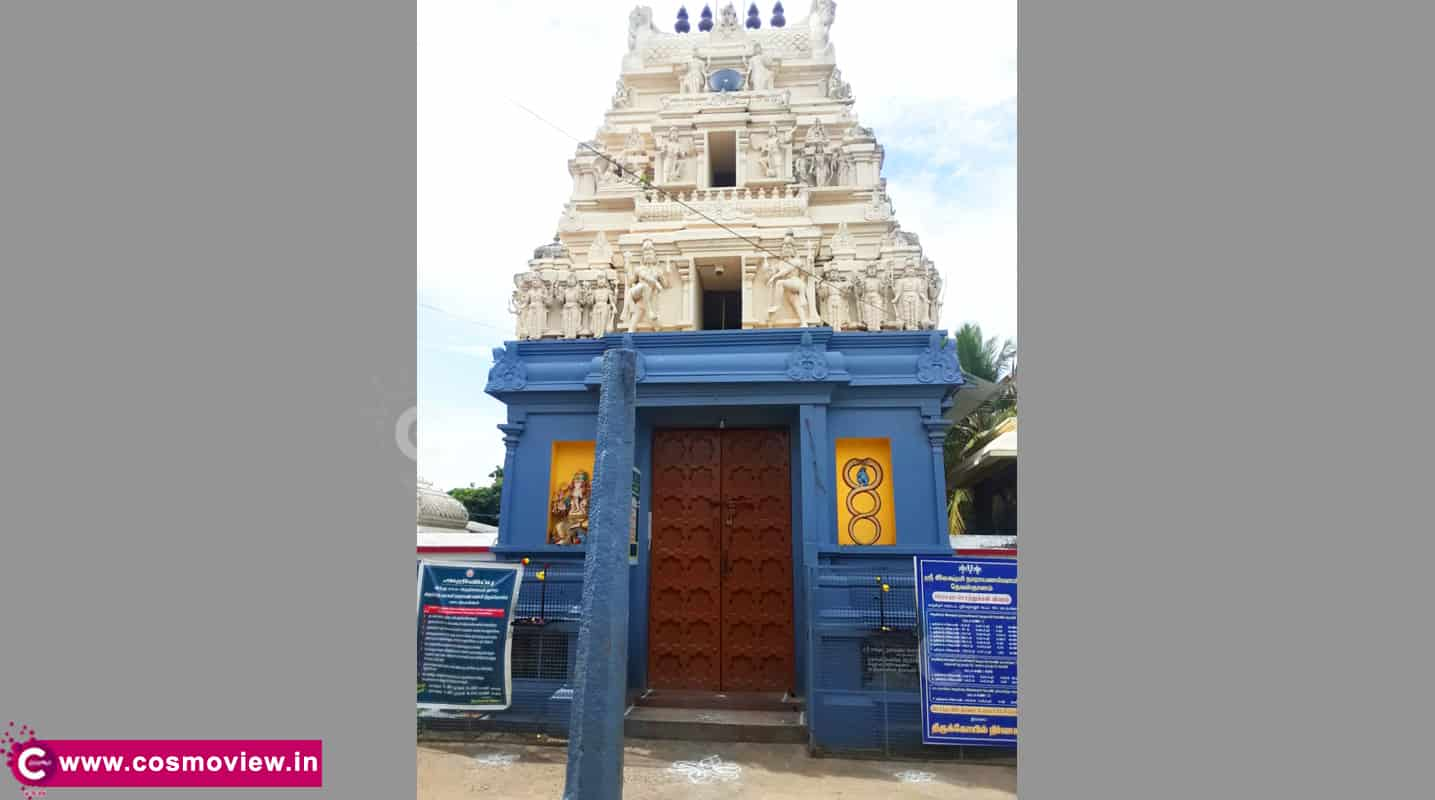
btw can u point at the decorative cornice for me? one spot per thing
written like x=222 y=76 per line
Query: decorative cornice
x=508 y=374
x=548 y=370
x=807 y=362
x=938 y=363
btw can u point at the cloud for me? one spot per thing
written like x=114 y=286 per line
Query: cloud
x=973 y=243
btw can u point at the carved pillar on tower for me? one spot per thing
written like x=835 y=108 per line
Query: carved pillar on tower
x=742 y=141
x=688 y=274
x=701 y=171
x=749 y=271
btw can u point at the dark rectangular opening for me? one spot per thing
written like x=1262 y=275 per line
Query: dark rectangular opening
x=722 y=311
x=722 y=158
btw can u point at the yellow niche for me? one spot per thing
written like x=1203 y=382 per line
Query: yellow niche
x=866 y=510
x=568 y=459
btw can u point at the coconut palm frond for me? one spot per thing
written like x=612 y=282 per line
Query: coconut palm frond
x=955 y=523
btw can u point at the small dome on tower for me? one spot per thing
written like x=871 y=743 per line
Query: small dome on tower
x=554 y=249
x=777 y=19
x=682 y=26
x=753 y=20
x=706 y=23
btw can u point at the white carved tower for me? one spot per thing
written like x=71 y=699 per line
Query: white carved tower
x=730 y=186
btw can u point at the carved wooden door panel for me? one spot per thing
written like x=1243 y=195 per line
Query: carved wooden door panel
x=756 y=561
x=685 y=580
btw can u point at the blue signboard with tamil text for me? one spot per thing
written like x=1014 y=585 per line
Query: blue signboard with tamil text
x=465 y=619
x=967 y=611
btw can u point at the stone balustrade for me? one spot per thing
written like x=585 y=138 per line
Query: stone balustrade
x=721 y=204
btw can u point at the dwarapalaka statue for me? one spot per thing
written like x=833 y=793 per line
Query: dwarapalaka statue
x=759 y=71
x=773 y=148
x=530 y=304
x=646 y=283
x=695 y=79
x=601 y=295
x=834 y=291
x=673 y=152
x=572 y=295
x=788 y=284
x=570 y=507
x=911 y=297
x=871 y=291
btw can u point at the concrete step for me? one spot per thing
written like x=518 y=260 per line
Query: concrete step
x=715 y=725
x=728 y=701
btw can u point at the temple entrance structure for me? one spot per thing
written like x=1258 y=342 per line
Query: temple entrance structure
x=729 y=222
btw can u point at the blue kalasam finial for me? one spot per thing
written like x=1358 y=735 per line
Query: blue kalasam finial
x=706 y=23
x=682 y=26
x=753 y=20
x=777 y=19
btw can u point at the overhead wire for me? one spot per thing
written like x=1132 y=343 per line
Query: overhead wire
x=462 y=318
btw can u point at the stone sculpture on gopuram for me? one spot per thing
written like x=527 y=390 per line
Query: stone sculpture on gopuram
x=911 y=297
x=601 y=319
x=835 y=293
x=787 y=283
x=646 y=281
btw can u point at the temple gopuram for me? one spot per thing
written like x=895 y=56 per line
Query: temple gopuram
x=729 y=221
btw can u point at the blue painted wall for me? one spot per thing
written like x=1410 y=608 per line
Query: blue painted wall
x=820 y=386
x=525 y=522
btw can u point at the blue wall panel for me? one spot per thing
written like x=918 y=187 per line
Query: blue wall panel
x=526 y=524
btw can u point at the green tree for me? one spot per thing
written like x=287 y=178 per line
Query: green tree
x=985 y=358
x=482 y=502
x=990 y=360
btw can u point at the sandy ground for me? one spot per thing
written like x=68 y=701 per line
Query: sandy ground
x=696 y=770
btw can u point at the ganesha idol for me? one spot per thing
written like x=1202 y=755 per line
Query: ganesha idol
x=570 y=508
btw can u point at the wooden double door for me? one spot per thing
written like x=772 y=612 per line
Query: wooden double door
x=720 y=602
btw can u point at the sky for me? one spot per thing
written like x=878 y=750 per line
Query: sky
x=936 y=81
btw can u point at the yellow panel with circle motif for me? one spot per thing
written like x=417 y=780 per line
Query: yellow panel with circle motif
x=866 y=511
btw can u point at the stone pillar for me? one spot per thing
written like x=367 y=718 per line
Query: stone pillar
x=595 y=731
x=690 y=287
x=700 y=160
x=816 y=467
x=749 y=317
x=740 y=142
x=511 y=433
x=937 y=437
x=818 y=504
